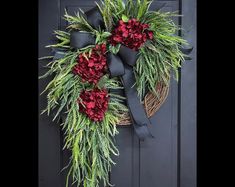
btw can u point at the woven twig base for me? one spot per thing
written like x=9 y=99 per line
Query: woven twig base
x=151 y=103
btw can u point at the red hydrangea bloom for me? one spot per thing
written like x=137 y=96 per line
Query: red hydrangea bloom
x=92 y=68
x=131 y=34
x=94 y=103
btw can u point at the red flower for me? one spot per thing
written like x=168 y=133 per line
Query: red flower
x=92 y=68
x=131 y=34
x=150 y=35
x=94 y=103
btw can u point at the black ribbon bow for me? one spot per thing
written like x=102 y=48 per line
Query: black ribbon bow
x=120 y=65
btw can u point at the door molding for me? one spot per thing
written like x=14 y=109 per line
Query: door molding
x=187 y=101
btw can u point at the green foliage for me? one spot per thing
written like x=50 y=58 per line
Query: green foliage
x=63 y=38
x=92 y=147
x=114 y=49
x=114 y=10
x=160 y=55
x=125 y=18
x=78 y=22
x=101 y=37
x=142 y=8
x=156 y=57
x=91 y=143
x=106 y=13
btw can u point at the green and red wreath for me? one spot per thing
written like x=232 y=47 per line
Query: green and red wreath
x=113 y=47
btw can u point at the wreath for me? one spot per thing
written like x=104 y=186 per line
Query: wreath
x=111 y=66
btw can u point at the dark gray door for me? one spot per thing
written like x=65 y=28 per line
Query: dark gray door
x=168 y=160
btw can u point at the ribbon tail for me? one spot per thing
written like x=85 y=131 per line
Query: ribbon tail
x=94 y=18
x=186 y=51
x=115 y=64
x=187 y=58
x=142 y=132
x=136 y=109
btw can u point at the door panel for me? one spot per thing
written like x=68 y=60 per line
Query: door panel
x=158 y=156
x=49 y=132
x=162 y=161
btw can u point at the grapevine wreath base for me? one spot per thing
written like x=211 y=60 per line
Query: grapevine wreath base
x=111 y=66
x=151 y=103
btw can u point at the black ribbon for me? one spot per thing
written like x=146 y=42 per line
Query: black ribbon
x=186 y=51
x=120 y=65
x=94 y=18
x=81 y=39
